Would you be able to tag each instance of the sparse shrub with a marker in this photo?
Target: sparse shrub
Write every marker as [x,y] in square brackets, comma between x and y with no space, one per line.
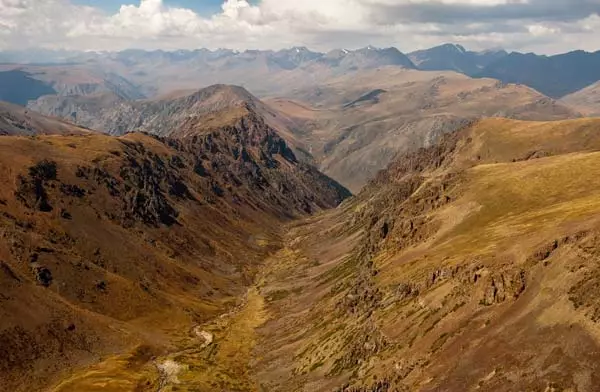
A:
[44,170]
[31,191]
[43,276]
[72,190]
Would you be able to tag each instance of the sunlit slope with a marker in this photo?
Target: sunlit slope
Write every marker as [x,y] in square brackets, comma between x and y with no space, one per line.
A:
[471,265]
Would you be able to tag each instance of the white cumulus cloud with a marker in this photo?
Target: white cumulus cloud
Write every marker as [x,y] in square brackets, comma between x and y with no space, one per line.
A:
[550,26]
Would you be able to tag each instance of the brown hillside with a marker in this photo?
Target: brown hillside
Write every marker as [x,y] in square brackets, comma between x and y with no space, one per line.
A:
[586,100]
[466,266]
[114,249]
[177,114]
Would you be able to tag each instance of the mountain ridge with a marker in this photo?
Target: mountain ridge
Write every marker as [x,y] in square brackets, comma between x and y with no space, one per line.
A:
[138,73]
[113,243]
[18,120]
[451,57]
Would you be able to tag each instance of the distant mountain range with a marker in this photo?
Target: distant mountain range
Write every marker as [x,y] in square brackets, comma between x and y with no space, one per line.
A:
[450,57]
[139,73]
[363,106]
[555,76]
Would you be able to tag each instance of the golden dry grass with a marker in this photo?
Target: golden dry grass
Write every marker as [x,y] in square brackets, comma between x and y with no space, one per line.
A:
[498,220]
[331,307]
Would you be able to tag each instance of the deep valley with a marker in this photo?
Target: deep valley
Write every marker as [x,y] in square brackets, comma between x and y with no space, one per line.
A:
[369,221]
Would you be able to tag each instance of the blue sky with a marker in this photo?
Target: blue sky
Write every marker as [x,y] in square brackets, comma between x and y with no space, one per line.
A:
[203,7]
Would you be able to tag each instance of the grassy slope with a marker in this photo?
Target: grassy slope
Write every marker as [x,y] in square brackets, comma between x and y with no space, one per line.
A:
[502,276]
[482,276]
[129,283]
[147,272]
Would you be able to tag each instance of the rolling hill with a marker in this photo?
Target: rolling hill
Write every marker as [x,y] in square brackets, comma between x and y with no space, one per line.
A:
[586,100]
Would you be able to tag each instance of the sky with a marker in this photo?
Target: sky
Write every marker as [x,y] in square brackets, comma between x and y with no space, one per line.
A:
[202,7]
[542,26]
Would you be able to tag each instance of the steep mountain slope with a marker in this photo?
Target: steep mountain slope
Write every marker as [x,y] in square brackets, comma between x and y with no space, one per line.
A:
[20,84]
[117,248]
[17,120]
[342,61]
[450,57]
[586,100]
[85,110]
[355,125]
[177,114]
[470,265]
[555,76]
[19,88]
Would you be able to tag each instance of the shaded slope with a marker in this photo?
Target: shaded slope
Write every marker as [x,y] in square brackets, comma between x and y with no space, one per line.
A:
[451,57]
[555,76]
[19,88]
[120,245]
[17,120]
[30,82]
